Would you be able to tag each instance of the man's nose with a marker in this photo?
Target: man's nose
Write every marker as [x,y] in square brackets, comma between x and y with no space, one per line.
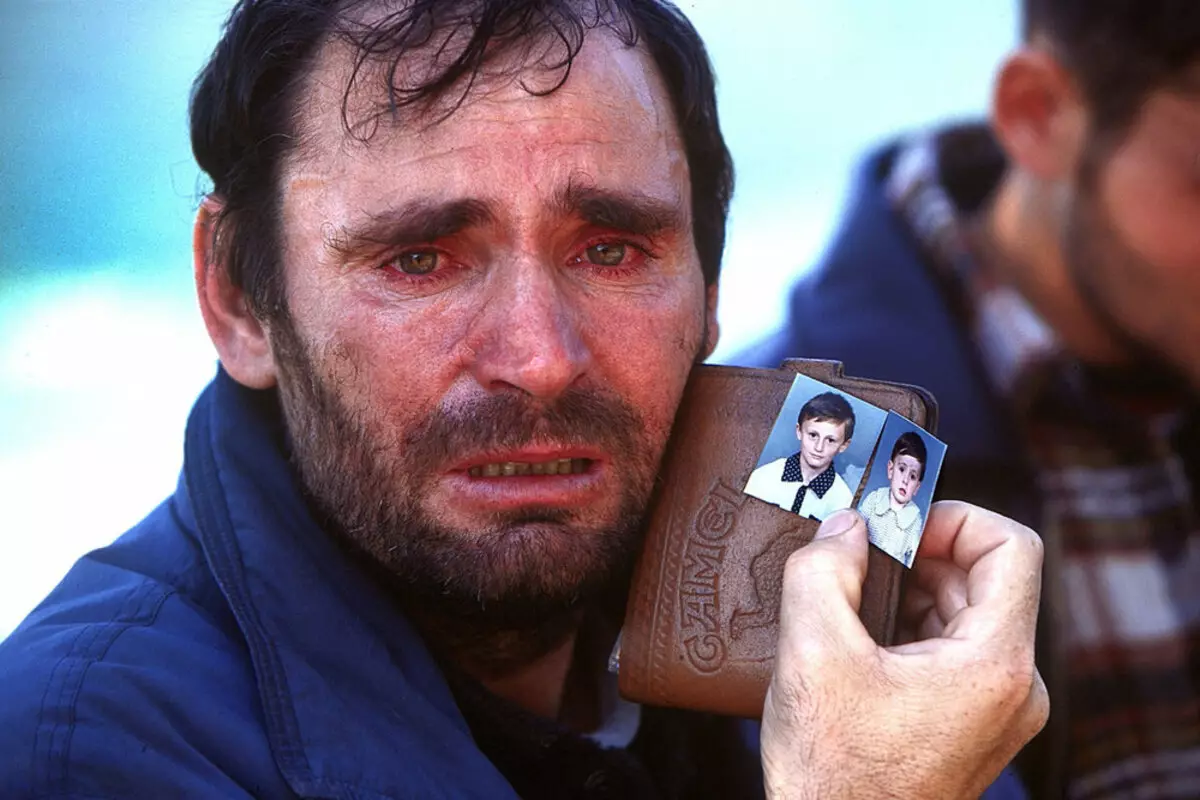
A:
[530,336]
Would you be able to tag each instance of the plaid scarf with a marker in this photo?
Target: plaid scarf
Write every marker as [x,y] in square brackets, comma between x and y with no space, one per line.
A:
[1116,501]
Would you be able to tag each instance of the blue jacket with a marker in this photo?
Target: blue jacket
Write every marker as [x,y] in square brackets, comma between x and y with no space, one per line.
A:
[225,648]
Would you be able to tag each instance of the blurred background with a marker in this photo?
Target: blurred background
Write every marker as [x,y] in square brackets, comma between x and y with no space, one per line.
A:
[101,347]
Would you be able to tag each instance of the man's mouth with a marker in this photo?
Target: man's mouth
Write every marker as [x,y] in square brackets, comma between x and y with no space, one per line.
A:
[509,469]
[520,479]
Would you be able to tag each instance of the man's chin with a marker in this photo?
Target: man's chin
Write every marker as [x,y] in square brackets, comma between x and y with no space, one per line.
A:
[531,522]
[515,567]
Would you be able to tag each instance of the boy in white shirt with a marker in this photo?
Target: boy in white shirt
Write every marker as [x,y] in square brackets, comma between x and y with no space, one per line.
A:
[893,520]
[805,482]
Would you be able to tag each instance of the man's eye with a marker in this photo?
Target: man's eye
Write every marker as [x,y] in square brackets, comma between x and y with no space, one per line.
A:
[606,255]
[416,262]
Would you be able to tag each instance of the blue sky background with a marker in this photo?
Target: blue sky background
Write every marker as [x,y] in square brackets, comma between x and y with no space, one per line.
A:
[101,347]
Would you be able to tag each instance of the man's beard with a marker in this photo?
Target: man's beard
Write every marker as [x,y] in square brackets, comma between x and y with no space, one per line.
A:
[496,597]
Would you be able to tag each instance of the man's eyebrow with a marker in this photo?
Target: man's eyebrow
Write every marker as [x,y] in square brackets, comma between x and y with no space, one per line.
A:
[418,222]
[631,212]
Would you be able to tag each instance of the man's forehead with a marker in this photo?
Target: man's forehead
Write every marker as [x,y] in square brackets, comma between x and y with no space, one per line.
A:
[351,105]
[609,126]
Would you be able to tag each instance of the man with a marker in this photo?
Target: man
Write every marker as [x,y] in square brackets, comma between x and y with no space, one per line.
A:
[458,260]
[806,482]
[1041,277]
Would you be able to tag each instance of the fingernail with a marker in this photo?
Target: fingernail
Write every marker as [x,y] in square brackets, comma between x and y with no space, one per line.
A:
[838,524]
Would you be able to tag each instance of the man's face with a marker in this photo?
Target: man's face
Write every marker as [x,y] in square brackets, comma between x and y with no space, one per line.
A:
[1132,233]
[492,322]
[820,441]
[904,474]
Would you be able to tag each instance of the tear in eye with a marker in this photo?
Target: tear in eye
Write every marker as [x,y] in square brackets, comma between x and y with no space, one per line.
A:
[606,255]
[417,262]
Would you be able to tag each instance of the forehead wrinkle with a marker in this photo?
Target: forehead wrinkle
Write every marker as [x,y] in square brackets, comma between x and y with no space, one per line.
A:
[329,153]
[634,80]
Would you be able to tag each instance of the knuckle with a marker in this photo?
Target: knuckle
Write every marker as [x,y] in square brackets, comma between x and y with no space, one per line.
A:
[1039,712]
[1033,544]
[1011,682]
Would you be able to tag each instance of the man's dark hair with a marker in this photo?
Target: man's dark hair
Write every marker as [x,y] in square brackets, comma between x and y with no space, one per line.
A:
[829,406]
[1120,50]
[246,103]
[910,443]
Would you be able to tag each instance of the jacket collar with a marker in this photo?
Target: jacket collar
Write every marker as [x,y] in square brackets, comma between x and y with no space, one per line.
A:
[354,704]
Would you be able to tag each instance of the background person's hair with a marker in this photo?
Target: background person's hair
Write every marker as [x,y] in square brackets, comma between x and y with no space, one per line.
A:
[910,443]
[1120,51]
[828,406]
[245,104]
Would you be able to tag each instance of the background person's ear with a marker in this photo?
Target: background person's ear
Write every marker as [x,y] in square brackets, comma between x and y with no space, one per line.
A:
[239,337]
[1038,113]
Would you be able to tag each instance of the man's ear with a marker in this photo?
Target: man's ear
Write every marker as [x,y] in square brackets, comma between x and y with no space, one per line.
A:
[845,446]
[241,340]
[712,327]
[1038,113]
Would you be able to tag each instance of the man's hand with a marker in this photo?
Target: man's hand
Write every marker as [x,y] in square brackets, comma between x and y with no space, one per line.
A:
[939,716]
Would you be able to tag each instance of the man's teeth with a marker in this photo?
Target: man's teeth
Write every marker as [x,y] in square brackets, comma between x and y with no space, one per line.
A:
[559,466]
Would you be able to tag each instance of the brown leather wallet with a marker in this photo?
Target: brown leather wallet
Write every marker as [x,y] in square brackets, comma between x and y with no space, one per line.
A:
[703,612]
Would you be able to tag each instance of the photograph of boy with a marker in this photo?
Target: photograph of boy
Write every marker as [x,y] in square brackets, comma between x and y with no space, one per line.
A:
[896,510]
[806,481]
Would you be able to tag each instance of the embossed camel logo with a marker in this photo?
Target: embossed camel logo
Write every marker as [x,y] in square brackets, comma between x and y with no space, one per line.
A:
[766,570]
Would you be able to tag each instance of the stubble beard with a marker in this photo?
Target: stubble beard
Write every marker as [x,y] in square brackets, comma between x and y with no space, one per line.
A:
[1095,254]
[490,600]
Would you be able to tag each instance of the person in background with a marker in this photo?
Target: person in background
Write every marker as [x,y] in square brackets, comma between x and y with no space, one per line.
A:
[1040,274]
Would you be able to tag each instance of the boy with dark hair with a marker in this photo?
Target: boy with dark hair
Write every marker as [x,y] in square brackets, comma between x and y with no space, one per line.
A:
[1043,272]
[806,482]
[894,521]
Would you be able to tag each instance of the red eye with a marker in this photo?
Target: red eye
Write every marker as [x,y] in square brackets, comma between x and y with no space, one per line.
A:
[606,254]
[415,262]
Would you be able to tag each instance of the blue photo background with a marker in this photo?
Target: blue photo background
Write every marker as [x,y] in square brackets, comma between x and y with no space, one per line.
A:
[936,451]
[868,423]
